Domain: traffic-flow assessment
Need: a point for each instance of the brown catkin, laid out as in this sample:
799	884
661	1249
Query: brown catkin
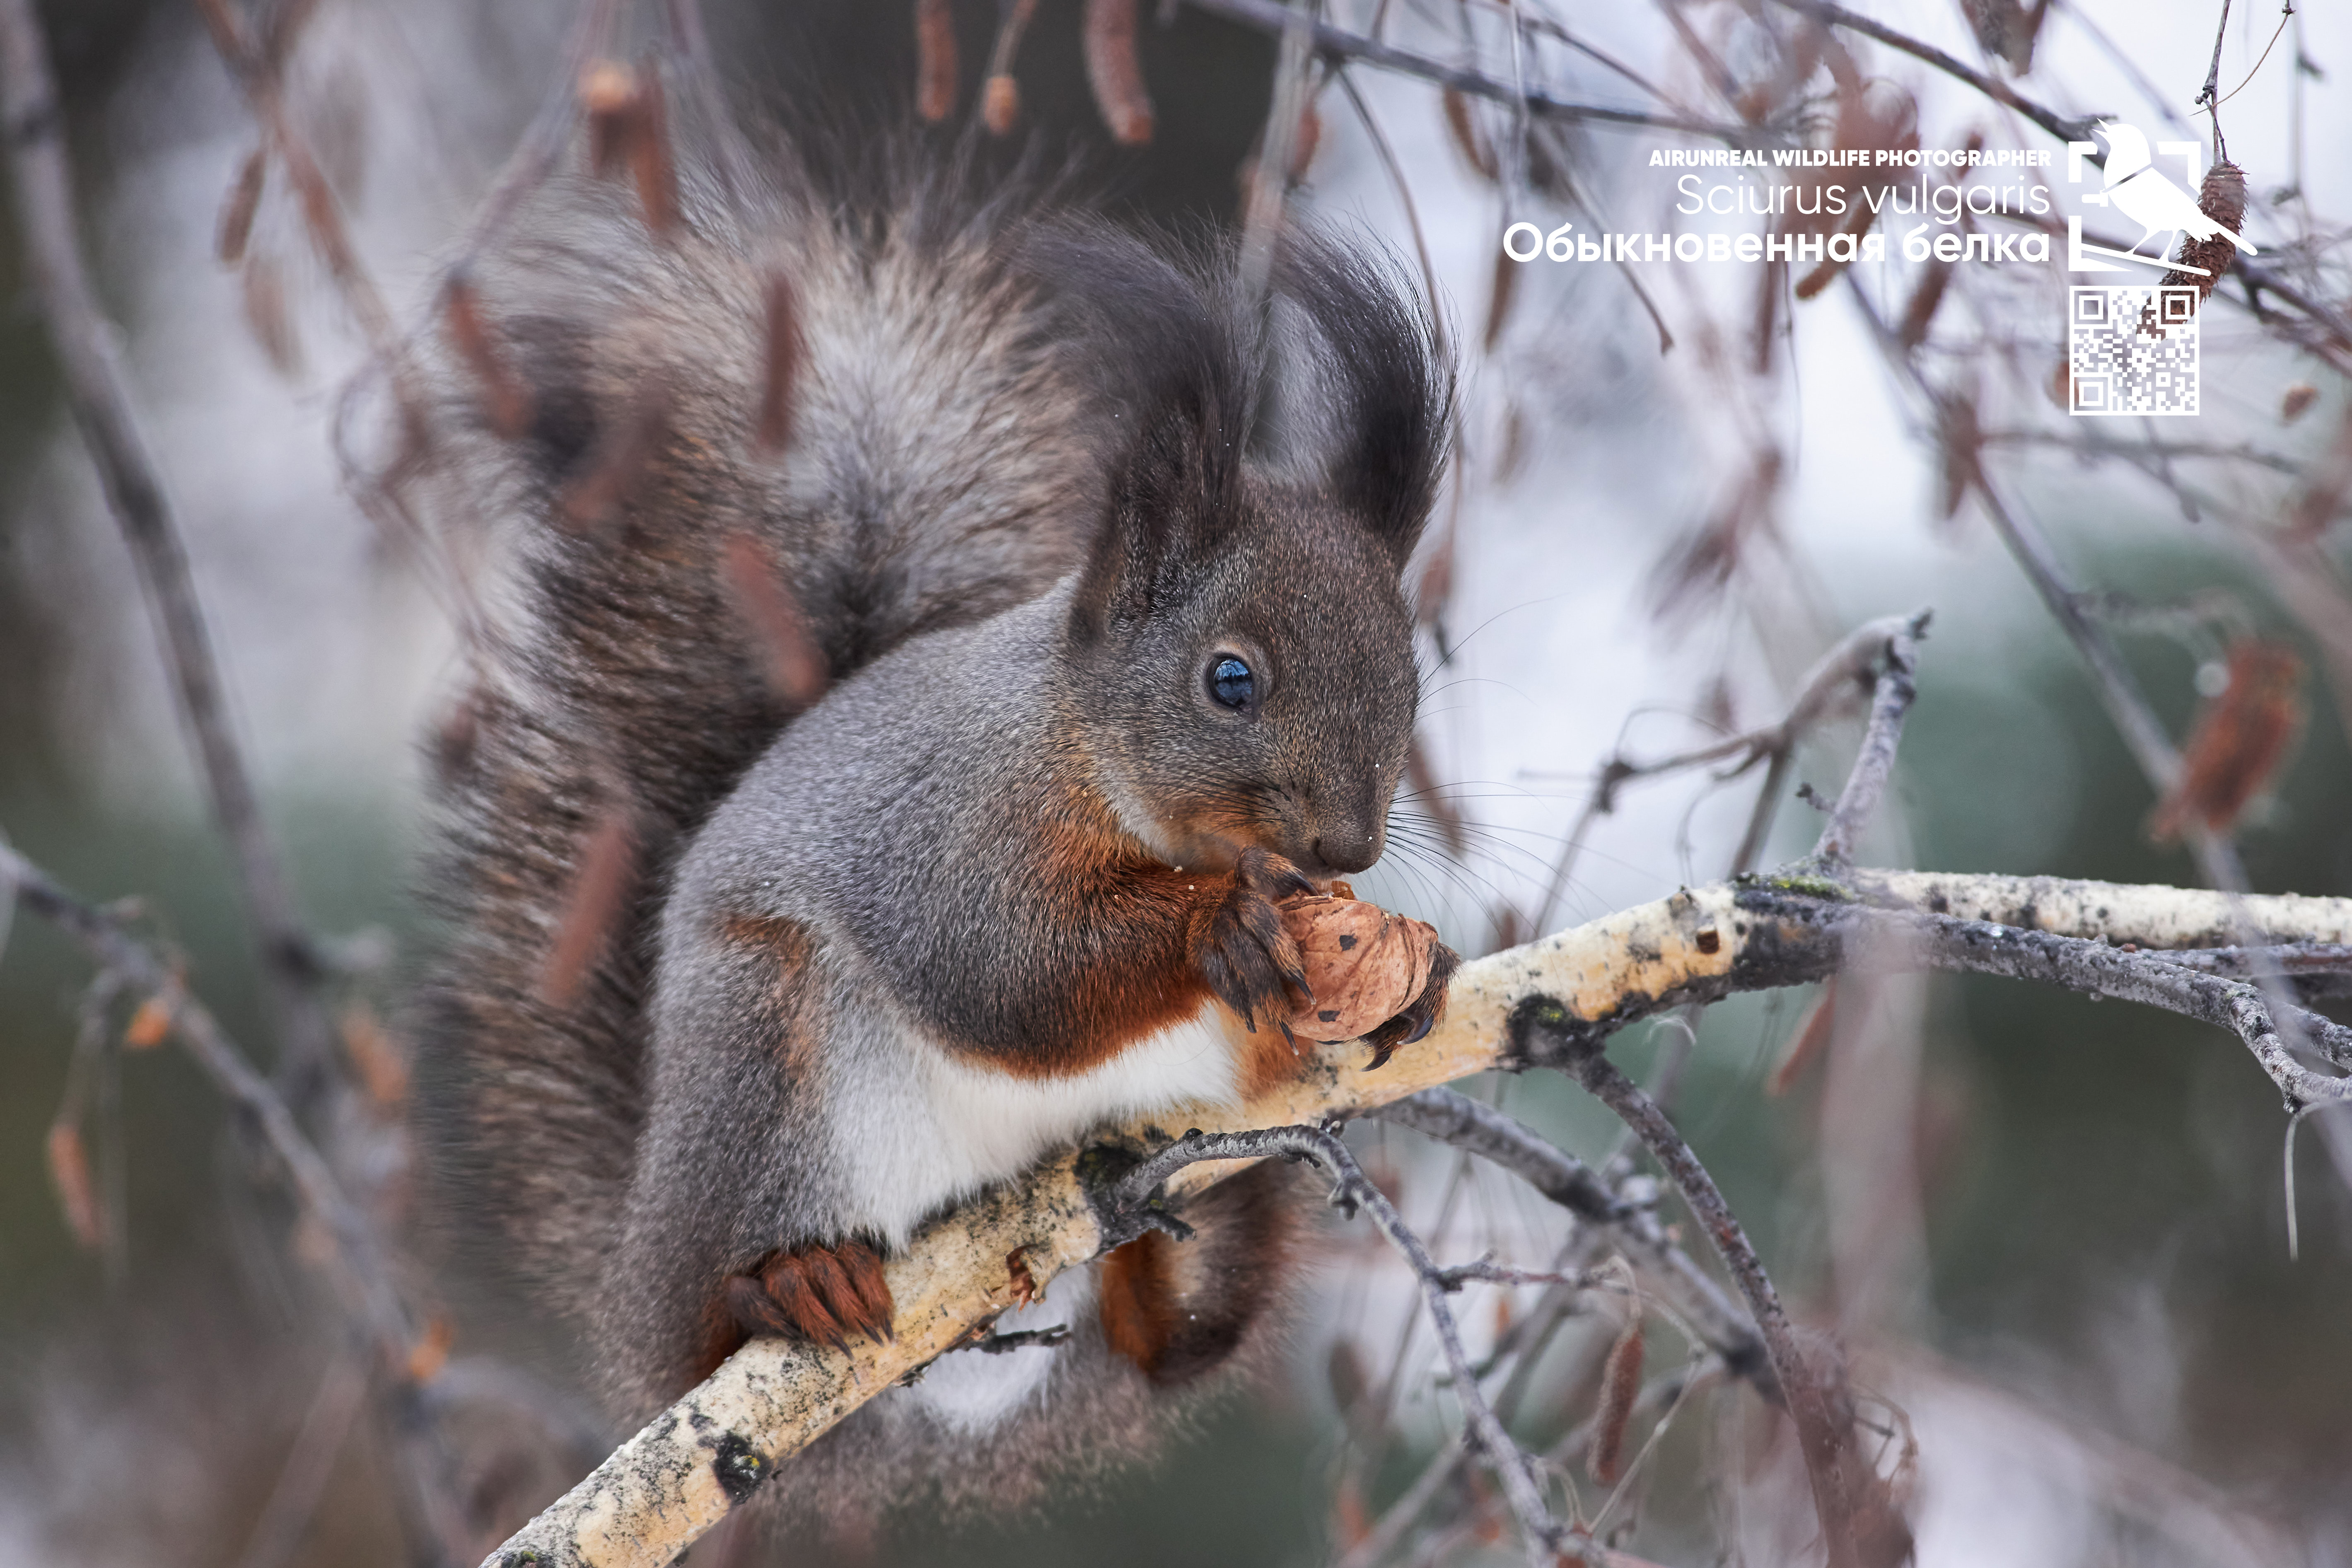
379	1062
1921	313
609	93
792	662
1309	143
649	159
505	403
1621	1382
1505	289
77	1194
1806	1042
624	451
1115	73
2239	740
2222	198
606	873
1000	104
1961	446
1000	96
935	60
266	313
148	1027
1464	132
774	427
243	199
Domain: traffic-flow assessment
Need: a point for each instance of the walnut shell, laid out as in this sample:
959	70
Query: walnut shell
1364	963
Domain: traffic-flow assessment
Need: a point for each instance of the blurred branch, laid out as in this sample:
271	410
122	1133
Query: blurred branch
1339	44
1839	675
355	1262
1632	1230
1860	1523
2317	969
1895	687
2142	734
2001	92
255	65
2090	443
1612	1214
310	1464
1546	1538
98	392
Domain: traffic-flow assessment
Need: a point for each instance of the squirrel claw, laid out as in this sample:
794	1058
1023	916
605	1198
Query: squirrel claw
823	1293
1420	1016
1264	872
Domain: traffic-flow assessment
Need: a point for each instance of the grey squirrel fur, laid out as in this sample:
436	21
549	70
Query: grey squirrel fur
873	957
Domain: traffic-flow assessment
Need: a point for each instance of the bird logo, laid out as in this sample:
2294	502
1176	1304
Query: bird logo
2137	188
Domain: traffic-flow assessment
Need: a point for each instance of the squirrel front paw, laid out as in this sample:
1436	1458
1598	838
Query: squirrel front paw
1252	963
823	1293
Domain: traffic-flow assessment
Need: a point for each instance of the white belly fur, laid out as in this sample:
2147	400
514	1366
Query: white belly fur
932	1128
972	1392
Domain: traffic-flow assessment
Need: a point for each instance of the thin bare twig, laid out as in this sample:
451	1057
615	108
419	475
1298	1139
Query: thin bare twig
1412	212
1858	1521
310	1464
1874	764
1455	1117
2205	95
98	389
2315	969
2090	443
1547	1536
358	1268
1840	674
2286	14
2001	92
1338	43
2239	1005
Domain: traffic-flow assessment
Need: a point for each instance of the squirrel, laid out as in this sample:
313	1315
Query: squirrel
1099	551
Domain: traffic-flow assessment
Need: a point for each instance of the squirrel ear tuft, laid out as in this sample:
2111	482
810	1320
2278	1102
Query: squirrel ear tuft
1173	499
1391	390
1166	353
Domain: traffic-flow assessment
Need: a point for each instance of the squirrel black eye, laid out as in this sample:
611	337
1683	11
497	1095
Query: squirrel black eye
1231	683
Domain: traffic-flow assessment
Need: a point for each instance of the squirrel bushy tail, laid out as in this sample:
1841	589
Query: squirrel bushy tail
942	465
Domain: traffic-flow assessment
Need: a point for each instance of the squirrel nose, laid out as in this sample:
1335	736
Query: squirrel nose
1350	850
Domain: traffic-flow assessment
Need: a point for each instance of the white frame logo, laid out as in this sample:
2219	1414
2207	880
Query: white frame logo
2100	317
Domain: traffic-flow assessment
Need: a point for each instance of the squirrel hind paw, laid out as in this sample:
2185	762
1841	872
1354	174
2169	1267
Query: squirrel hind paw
822	1293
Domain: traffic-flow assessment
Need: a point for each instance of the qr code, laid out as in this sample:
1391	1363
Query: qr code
2132	349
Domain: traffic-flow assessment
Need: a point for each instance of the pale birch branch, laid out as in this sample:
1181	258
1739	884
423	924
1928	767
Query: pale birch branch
687	1470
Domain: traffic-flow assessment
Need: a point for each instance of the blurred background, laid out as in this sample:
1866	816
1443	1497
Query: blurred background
2052	1236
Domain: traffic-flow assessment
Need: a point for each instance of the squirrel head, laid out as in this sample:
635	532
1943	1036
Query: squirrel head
1239	634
